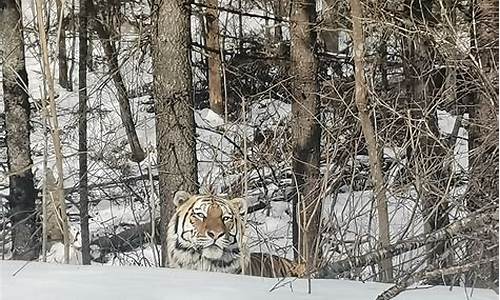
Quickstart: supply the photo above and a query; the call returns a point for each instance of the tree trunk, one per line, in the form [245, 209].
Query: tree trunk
[175, 126]
[370, 137]
[482, 191]
[241, 44]
[125, 113]
[72, 57]
[62, 57]
[53, 208]
[329, 33]
[306, 133]
[214, 59]
[25, 245]
[483, 133]
[82, 133]
[51, 115]
[278, 11]
[90, 50]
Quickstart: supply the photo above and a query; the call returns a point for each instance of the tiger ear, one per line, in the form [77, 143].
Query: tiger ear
[240, 204]
[181, 197]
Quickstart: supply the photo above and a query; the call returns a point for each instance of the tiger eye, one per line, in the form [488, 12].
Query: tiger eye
[199, 215]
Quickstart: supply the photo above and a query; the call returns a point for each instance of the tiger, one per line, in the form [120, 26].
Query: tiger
[207, 233]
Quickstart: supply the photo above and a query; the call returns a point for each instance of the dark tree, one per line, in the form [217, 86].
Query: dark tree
[25, 244]
[82, 132]
[62, 56]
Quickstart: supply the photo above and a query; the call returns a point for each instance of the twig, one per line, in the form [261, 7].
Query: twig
[21, 268]
[240, 13]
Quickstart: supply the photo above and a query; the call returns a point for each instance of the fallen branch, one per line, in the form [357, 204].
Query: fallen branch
[473, 221]
[414, 278]
[126, 240]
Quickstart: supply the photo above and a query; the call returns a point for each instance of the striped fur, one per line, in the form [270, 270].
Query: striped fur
[268, 265]
[207, 233]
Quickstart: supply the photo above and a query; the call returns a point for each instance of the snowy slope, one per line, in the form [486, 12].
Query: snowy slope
[69, 282]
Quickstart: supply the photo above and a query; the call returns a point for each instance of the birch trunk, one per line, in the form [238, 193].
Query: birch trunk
[54, 127]
[370, 137]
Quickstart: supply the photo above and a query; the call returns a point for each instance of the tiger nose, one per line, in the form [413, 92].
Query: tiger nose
[215, 235]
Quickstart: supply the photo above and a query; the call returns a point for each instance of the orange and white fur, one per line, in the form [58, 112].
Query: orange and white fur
[207, 233]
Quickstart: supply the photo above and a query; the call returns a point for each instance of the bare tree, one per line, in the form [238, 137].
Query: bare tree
[82, 133]
[306, 132]
[22, 193]
[175, 126]
[370, 136]
[50, 112]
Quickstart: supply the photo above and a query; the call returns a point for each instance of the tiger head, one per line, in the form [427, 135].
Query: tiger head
[206, 232]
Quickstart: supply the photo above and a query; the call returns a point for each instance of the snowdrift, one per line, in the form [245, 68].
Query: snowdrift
[40, 281]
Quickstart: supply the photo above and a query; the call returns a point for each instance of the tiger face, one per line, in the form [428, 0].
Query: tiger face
[205, 233]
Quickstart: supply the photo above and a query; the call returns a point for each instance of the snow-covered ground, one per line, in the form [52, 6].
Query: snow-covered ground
[69, 282]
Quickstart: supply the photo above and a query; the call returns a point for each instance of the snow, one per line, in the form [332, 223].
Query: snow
[54, 281]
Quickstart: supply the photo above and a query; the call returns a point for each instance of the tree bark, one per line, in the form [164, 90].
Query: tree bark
[62, 55]
[483, 132]
[174, 106]
[306, 133]
[370, 137]
[329, 33]
[82, 133]
[278, 11]
[53, 208]
[25, 244]
[483, 187]
[214, 59]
